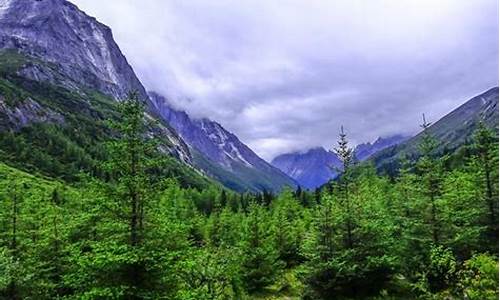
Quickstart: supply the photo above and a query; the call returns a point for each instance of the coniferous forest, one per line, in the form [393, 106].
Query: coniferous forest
[236, 163]
[125, 229]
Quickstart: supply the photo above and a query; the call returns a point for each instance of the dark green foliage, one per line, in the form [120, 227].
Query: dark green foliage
[138, 225]
[260, 263]
[485, 163]
[64, 149]
[429, 174]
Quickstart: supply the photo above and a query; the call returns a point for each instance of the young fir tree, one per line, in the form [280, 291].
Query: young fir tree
[10, 239]
[332, 231]
[485, 161]
[429, 172]
[461, 214]
[319, 249]
[116, 257]
[346, 156]
[288, 227]
[23, 216]
[407, 214]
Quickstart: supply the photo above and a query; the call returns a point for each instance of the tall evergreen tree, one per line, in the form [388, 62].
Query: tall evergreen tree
[345, 154]
[486, 161]
[430, 174]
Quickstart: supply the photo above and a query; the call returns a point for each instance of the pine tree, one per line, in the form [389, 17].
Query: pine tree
[287, 227]
[486, 159]
[119, 237]
[345, 155]
[406, 211]
[429, 170]
[13, 217]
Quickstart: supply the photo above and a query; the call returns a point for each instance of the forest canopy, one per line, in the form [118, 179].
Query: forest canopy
[133, 232]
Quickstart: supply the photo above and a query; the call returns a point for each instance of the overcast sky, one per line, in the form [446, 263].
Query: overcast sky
[283, 75]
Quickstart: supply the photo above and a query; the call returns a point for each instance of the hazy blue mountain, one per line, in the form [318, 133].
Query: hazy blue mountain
[315, 167]
[365, 150]
[311, 168]
[451, 131]
[221, 154]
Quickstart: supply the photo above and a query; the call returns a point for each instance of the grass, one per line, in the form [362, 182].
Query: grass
[10, 176]
[11, 61]
[287, 287]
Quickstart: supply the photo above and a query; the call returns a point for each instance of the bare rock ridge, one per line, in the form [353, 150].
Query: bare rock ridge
[65, 47]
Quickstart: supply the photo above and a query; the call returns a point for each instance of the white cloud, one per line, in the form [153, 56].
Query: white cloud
[283, 75]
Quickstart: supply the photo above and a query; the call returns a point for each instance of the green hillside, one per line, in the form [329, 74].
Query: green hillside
[59, 132]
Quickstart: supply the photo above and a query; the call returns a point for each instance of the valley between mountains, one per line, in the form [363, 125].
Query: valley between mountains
[108, 191]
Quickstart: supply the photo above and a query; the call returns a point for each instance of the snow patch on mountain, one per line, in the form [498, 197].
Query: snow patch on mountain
[222, 147]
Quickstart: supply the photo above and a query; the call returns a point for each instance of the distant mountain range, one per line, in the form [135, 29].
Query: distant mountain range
[366, 150]
[315, 167]
[311, 168]
[220, 153]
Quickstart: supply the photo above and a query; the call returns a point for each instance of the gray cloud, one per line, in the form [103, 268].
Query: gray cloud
[284, 75]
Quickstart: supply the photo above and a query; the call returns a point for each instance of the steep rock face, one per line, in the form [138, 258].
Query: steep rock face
[310, 169]
[220, 153]
[53, 42]
[78, 51]
[27, 112]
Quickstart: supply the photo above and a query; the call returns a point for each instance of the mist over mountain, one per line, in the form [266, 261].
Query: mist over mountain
[311, 168]
[365, 150]
[451, 131]
[221, 154]
[108, 191]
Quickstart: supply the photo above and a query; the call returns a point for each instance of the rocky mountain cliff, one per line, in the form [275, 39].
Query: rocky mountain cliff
[61, 66]
[77, 51]
[220, 153]
[54, 43]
